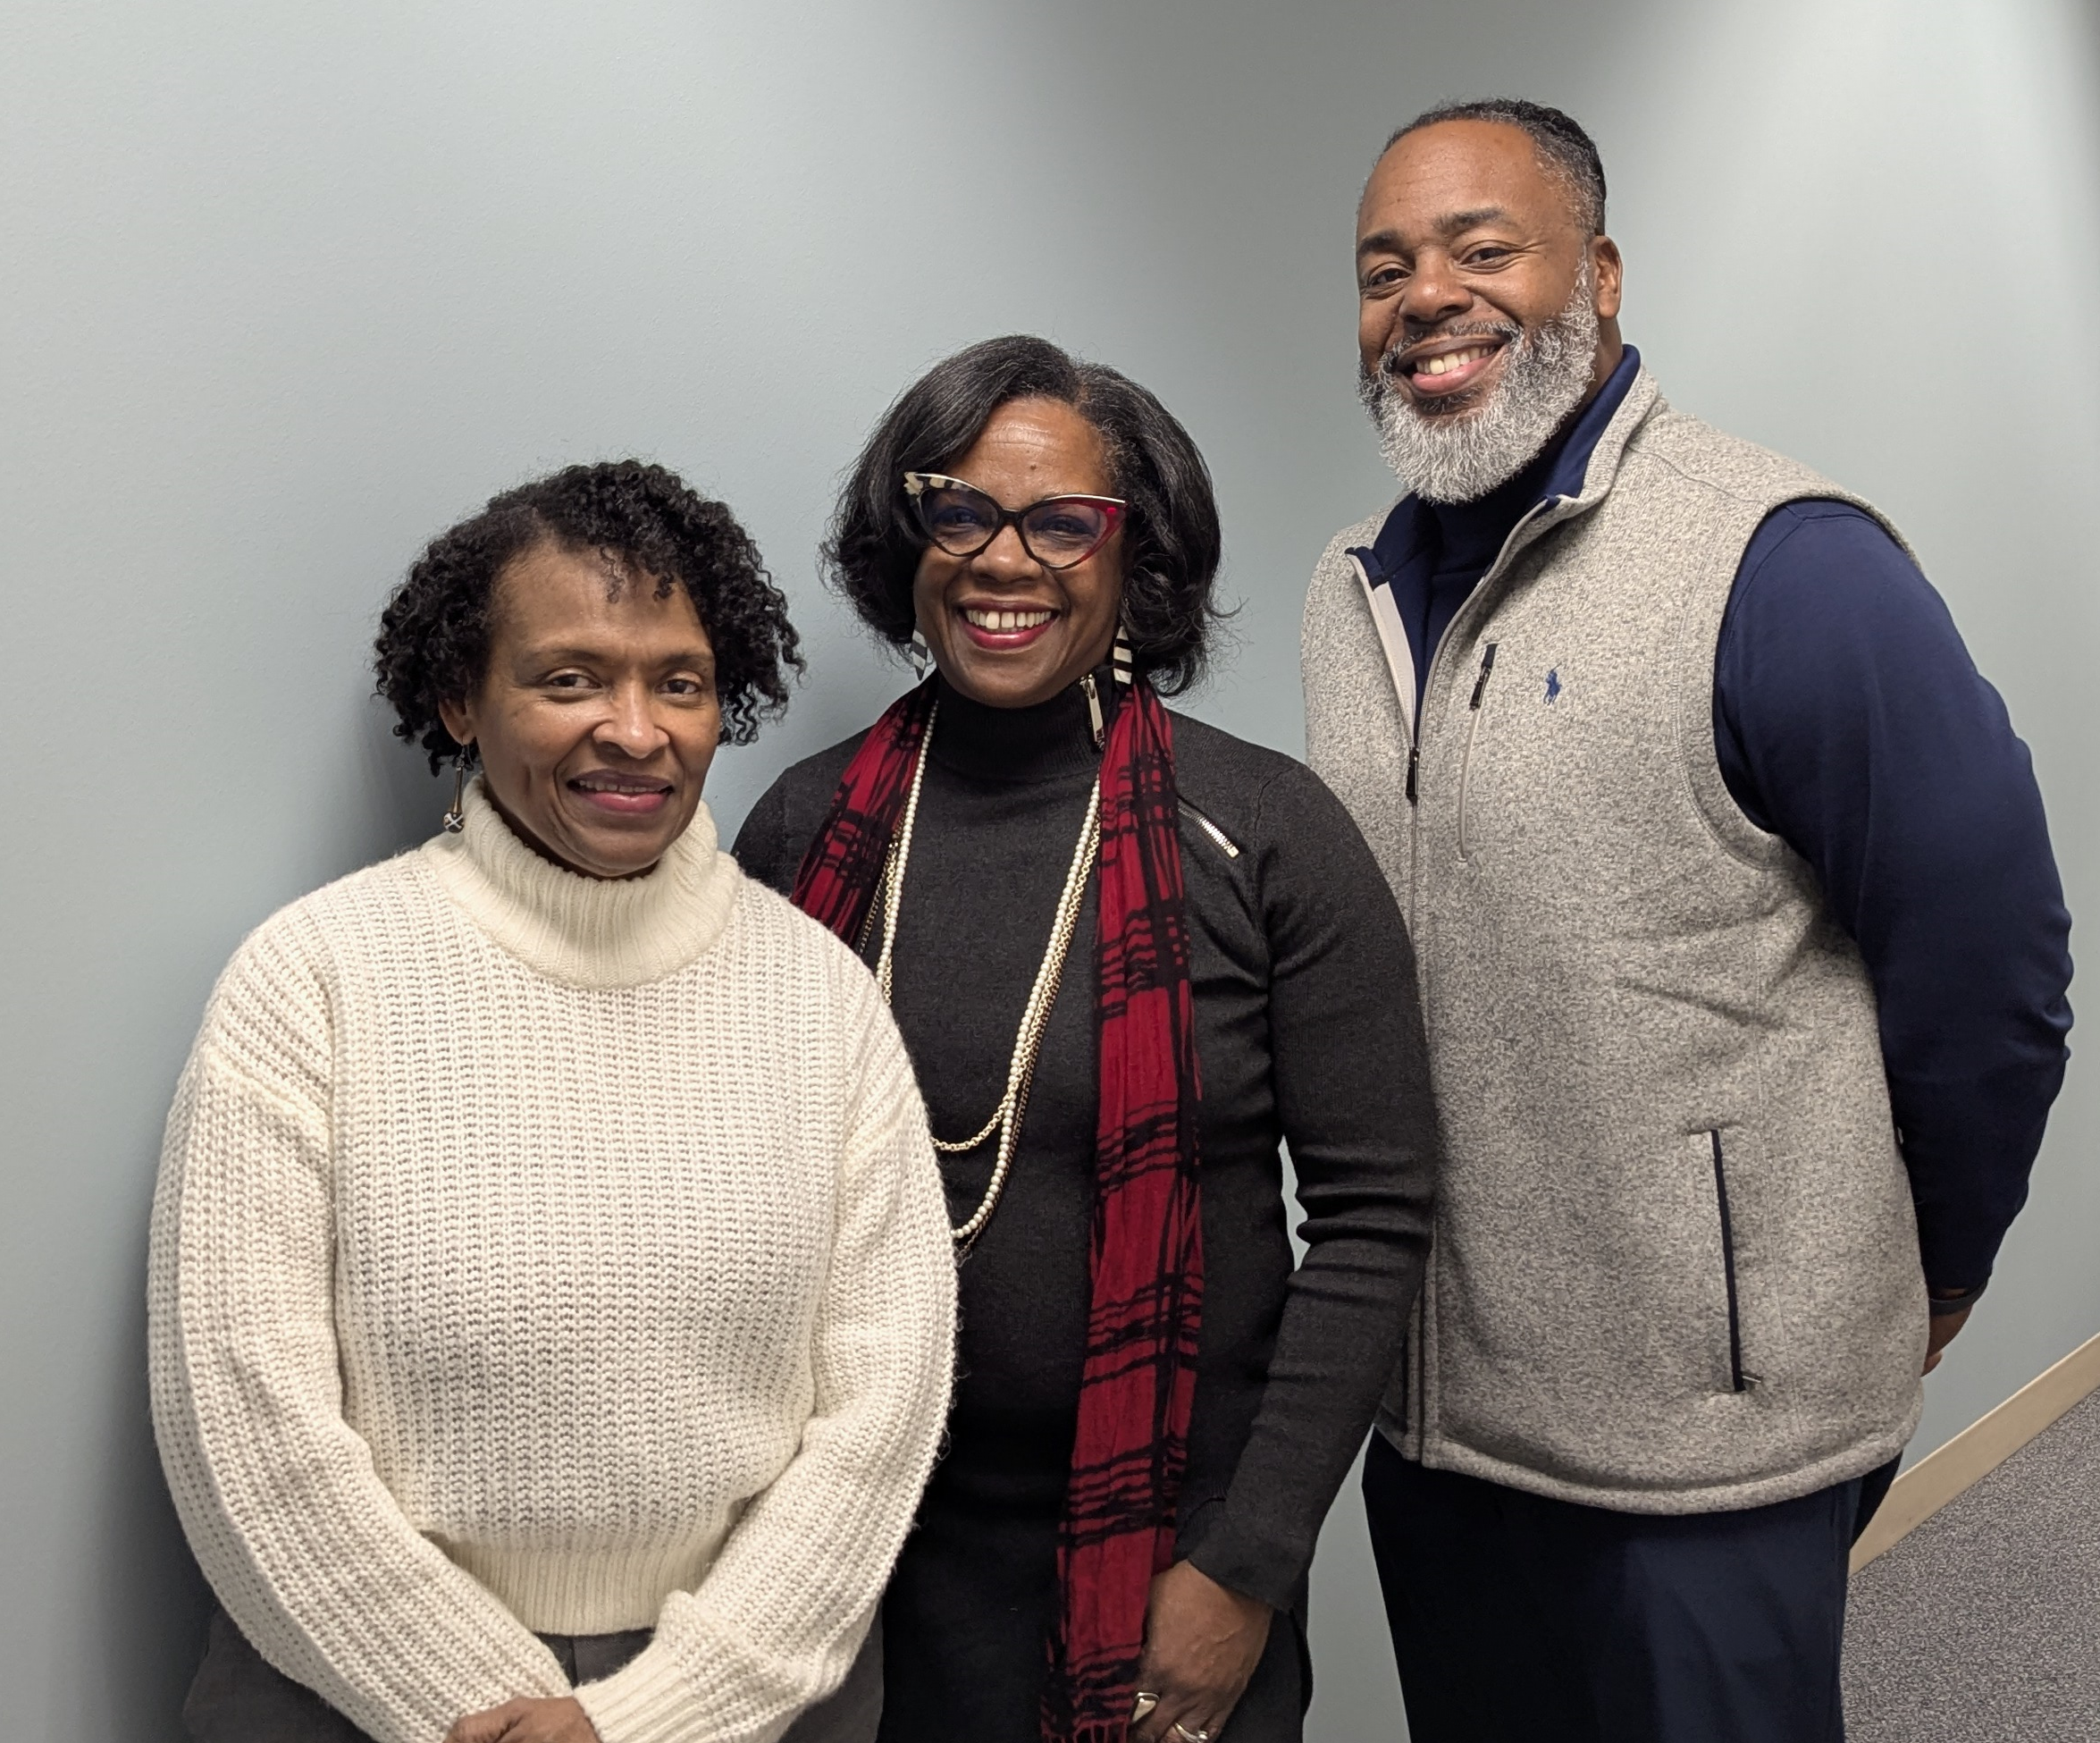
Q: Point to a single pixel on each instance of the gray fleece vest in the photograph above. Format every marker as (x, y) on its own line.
(1675, 1266)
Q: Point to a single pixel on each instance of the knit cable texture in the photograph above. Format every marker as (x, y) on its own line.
(535, 1254)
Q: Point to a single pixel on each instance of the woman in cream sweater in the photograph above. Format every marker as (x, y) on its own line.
(551, 1294)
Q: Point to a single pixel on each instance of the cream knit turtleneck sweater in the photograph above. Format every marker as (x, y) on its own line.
(534, 1253)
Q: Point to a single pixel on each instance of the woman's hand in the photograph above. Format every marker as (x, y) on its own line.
(559, 1720)
(1201, 1644)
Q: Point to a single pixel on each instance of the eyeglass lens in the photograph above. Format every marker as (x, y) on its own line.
(1057, 533)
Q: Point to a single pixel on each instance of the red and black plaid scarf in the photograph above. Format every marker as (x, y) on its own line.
(1147, 1255)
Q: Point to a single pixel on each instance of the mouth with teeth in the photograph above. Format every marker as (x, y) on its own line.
(620, 795)
(1003, 627)
(1443, 367)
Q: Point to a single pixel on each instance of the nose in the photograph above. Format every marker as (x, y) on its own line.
(1005, 559)
(1435, 293)
(630, 724)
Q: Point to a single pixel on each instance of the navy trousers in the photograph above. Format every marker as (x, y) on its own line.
(1517, 1619)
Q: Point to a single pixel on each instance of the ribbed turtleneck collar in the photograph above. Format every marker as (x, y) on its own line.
(587, 932)
(1051, 740)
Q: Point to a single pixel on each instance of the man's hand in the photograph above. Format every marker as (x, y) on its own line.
(559, 1720)
(1201, 1644)
(1945, 1325)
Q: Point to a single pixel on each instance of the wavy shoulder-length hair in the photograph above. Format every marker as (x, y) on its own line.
(1171, 541)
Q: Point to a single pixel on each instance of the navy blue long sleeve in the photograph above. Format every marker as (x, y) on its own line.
(1851, 721)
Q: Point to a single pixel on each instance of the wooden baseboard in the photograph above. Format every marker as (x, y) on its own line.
(1980, 1449)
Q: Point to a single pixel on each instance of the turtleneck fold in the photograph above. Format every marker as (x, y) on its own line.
(1022, 746)
(583, 931)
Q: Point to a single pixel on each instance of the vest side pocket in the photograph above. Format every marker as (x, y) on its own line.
(1738, 1378)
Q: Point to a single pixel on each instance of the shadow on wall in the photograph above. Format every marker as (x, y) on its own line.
(145, 1594)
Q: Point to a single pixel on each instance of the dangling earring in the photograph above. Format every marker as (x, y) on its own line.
(456, 818)
(921, 655)
(1120, 655)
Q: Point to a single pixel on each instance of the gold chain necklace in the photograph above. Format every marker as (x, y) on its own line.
(1035, 1017)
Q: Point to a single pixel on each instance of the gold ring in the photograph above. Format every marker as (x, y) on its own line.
(1141, 1708)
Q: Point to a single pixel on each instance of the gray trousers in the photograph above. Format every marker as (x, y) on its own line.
(239, 1699)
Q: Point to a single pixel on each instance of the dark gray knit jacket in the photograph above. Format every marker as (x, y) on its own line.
(1307, 1033)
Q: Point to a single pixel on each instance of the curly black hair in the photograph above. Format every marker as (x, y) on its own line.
(1171, 541)
(433, 636)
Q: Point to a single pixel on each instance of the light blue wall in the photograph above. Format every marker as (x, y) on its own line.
(285, 289)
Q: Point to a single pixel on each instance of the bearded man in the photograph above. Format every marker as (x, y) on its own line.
(1744, 958)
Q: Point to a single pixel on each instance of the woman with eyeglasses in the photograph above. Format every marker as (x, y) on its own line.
(1131, 956)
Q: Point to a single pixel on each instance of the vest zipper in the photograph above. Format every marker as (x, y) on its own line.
(1487, 665)
(1226, 845)
(1480, 686)
(1093, 692)
(1736, 1377)
(1418, 1318)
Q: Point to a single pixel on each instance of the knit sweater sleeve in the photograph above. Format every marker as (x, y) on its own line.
(304, 1546)
(776, 1623)
(763, 847)
(1353, 1098)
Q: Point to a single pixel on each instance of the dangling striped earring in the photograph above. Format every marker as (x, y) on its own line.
(1121, 656)
(921, 655)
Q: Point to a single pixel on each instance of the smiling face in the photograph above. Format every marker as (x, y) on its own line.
(1005, 631)
(1483, 299)
(598, 716)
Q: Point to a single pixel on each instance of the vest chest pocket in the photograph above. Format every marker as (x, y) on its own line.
(1472, 712)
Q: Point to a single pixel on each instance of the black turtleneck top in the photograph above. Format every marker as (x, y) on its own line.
(1308, 1033)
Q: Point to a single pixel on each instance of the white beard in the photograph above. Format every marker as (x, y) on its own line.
(1460, 456)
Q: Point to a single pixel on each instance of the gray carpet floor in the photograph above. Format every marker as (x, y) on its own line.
(1983, 1625)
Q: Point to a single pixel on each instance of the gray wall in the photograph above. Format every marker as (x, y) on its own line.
(285, 289)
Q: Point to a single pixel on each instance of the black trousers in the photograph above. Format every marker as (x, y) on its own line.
(964, 1624)
(239, 1698)
(1517, 1619)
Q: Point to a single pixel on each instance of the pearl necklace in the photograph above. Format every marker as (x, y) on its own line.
(1035, 1016)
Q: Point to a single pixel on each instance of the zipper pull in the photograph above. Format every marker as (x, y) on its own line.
(1094, 710)
(1413, 763)
(1487, 665)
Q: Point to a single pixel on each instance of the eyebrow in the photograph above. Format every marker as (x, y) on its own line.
(1388, 241)
(562, 655)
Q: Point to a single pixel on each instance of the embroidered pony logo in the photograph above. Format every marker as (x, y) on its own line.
(1553, 685)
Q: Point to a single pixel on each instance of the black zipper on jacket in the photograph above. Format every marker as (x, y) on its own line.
(1735, 1374)
(1487, 665)
(1479, 685)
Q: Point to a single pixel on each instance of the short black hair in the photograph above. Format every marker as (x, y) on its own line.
(434, 633)
(1171, 541)
(1559, 138)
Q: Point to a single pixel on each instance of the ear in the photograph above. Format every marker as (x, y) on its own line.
(1610, 272)
(457, 718)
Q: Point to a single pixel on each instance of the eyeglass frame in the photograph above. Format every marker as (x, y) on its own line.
(916, 484)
